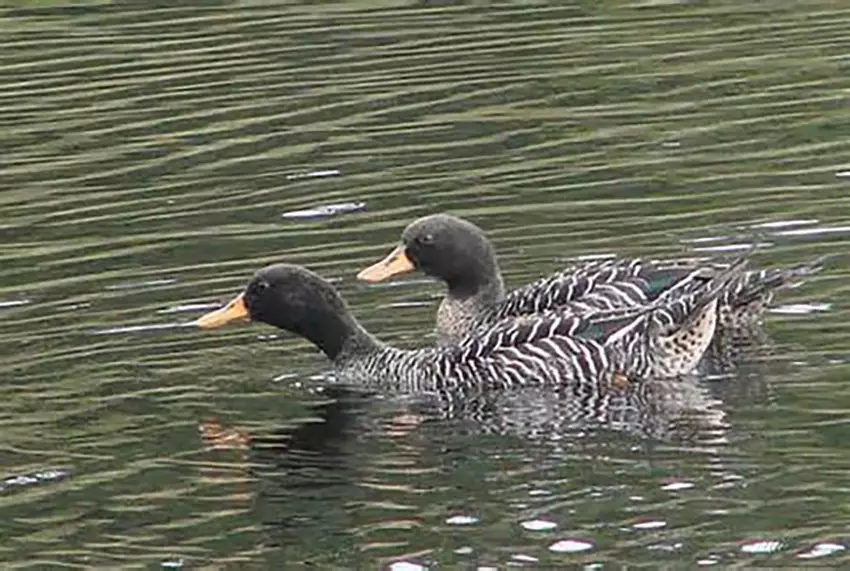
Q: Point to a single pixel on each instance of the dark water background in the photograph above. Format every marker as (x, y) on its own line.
(147, 156)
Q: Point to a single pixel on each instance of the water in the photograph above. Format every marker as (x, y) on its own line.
(152, 160)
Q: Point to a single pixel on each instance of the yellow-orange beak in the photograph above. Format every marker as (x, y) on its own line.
(395, 263)
(233, 311)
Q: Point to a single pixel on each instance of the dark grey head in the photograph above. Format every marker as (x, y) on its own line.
(295, 299)
(444, 247)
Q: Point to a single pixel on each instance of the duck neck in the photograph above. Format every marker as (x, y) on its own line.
(339, 336)
(480, 280)
(465, 302)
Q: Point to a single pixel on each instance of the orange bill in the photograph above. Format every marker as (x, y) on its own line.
(395, 263)
(236, 310)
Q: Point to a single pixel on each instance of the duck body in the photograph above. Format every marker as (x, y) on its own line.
(662, 340)
(458, 253)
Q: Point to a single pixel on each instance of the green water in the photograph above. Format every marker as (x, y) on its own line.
(147, 160)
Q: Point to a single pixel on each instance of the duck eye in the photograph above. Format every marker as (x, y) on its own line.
(427, 239)
(262, 286)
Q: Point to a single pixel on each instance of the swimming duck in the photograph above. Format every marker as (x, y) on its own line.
(458, 253)
(663, 340)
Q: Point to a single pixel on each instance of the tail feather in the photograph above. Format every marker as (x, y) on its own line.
(760, 285)
(669, 337)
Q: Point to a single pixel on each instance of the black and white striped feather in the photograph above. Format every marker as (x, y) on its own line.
(622, 284)
(663, 339)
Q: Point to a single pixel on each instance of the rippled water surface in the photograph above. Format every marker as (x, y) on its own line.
(152, 160)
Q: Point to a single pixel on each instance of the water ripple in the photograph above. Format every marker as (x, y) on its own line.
(154, 158)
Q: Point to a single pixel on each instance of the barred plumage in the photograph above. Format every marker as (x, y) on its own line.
(659, 340)
(458, 253)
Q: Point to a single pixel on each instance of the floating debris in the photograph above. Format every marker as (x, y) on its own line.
(821, 550)
(571, 546)
(462, 520)
(538, 525)
(762, 547)
(524, 558)
(707, 562)
(313, 174)
(24, 480)
(465, 550)
(325, 211)
(172, 563)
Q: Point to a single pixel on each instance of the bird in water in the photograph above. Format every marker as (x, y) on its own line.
(458, 253)
(661, 340)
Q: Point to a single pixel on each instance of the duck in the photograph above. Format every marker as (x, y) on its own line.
(663, 340)
(459, 253)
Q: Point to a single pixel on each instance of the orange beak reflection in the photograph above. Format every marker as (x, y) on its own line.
(236, 310)
(395, 263)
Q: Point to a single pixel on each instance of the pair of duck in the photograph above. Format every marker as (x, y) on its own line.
(610, 321)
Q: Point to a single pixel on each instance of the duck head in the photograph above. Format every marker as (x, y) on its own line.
(445, 247)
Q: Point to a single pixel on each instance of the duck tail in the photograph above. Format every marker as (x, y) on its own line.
(759, 286)
(679, 331)
(744, 301)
